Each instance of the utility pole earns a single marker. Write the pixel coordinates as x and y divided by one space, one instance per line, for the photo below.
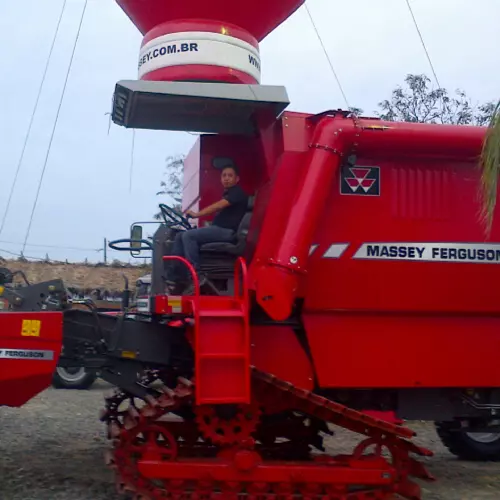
105 251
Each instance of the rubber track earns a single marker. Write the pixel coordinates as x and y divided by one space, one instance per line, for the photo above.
338 414
280 392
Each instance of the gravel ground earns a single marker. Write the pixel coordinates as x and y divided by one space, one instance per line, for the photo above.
52 449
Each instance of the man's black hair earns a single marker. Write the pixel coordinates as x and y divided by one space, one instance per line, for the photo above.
233 167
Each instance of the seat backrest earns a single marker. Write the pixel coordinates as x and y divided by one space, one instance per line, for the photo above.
244 226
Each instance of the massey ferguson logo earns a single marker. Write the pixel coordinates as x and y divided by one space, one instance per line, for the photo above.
360 181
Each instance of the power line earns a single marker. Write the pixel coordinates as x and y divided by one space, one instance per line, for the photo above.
40 259
423 43
57 247
55 125
18 254
16 175
14 254
327 56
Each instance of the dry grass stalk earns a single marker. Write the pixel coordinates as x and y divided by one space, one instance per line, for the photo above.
490 169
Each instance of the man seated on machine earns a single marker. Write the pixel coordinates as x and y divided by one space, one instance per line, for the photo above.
231 209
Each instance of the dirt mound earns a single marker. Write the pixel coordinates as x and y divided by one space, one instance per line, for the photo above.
107 279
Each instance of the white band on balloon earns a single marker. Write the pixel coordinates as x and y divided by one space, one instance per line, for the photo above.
200 48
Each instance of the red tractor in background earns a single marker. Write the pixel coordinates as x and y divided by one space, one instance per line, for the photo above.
357 281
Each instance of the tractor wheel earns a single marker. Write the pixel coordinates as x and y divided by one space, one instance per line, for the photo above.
73 378
472 446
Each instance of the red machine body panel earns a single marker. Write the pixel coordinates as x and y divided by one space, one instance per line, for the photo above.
276 349
30 345
405 287
396 272
426 204
367 269
403 350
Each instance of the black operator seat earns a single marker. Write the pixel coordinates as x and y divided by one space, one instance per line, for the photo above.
236 247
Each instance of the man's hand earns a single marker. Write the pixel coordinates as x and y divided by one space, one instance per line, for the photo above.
214 207
193 215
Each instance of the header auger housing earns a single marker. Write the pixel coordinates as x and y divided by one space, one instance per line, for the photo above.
358 280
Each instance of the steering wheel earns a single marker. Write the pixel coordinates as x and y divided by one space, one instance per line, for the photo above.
175 217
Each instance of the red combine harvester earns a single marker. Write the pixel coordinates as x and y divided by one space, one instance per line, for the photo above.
356 282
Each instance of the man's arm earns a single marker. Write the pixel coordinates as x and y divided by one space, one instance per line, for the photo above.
214 207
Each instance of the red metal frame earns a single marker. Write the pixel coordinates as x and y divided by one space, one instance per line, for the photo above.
241 281
246 464
165 304
220 337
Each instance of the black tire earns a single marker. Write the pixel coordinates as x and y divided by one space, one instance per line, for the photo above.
73 378
463 445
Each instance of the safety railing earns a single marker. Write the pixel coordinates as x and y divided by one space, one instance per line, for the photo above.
241 281
194 276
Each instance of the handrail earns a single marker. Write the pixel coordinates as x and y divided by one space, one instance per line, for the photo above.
241 273
191 269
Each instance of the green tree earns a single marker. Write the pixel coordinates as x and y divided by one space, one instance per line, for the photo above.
171 186
419 102
356 111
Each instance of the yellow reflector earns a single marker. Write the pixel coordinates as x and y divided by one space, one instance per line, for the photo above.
128 354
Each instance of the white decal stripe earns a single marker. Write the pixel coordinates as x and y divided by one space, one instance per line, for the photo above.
478 253
335 251
312 249
198 35
26 354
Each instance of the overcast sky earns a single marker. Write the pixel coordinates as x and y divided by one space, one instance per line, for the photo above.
85 193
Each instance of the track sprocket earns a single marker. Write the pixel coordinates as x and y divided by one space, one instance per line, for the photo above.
118 404
228 426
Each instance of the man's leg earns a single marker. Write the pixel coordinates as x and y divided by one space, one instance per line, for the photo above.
178 247
175 273
192 240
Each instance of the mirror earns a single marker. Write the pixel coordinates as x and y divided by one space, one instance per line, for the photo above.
136 236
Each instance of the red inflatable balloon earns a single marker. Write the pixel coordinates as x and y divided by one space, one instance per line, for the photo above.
200 40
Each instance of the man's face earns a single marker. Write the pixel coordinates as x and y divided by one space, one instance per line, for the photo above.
229 178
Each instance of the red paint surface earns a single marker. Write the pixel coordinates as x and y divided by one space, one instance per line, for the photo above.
404 350
276 350
183 25
258 18
22 379
306 207
200 72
